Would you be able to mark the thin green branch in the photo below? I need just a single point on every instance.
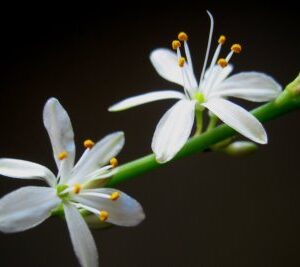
(289, 100)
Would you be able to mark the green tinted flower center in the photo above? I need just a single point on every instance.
(60, 191)
(199, 97)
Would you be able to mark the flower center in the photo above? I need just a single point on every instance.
(199, 97)
(61, 191)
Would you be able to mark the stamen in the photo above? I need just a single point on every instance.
(88, 143)
(223, 62)
(77, 188)
(185, 78)
(222, 39)
(182, 36)
(236, 48)
(114, 196)
(181, 62)
(208, 46)
(62, 155)
(176, 44)
(114, 162)
(103, 216)
(209, 78)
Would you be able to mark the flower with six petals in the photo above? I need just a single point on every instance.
(29, 206)
(212, 91)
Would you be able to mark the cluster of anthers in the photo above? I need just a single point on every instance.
(65, 191)
(187, 69)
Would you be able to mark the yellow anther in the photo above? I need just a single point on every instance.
(222, 62)
(182, 36)
(176, 44)
(114, 162)
(222, 39)
(236, 48)
(88, 143)
(103, 216)
(181, 62)
(115, 195)
(62, 155)
(77, 188)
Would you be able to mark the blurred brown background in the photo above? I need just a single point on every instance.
(206, 210)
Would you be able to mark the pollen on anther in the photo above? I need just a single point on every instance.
(222, 62)
(114, 196)
(181, 62)
(103, 216)
(236, 48)
(62, 155)
(114, 162)
(182, 36)
(77, 188)
(222, 39)
(88, 143)
(176, 44)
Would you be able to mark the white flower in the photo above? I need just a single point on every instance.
(211, 92)
(29, 206)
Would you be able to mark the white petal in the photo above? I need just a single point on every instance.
(173, 130)
(238, 118)
(253, 86)
(213, 78)
(100, 154)
(125, 211)
(59, 127)
(82, 239)
(22, 169)
(145, 98)
(26, 207)
(165, 62)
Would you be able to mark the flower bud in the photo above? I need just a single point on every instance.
(240, 148)
(291, 91)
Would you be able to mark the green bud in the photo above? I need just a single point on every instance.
(240, 148)
(292, 90)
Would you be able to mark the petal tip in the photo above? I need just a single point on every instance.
(113, 108)
(162, 159)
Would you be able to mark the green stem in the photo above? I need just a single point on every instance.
(289, 100)
(199, 121)
(213, 120)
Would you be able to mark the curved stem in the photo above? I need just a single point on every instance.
(199, 121)
(213, 120)
(289, 100)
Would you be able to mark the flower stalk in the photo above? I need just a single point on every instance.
(199, 121)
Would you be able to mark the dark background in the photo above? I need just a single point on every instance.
(205, 210)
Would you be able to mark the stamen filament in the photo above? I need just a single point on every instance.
(229, 56)
(81, 160)
(182, 36)
(96, 194)
(90, 209)
(208, 46)
(188, 56)
(102, 214)
(210, 75)
(179, 57)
